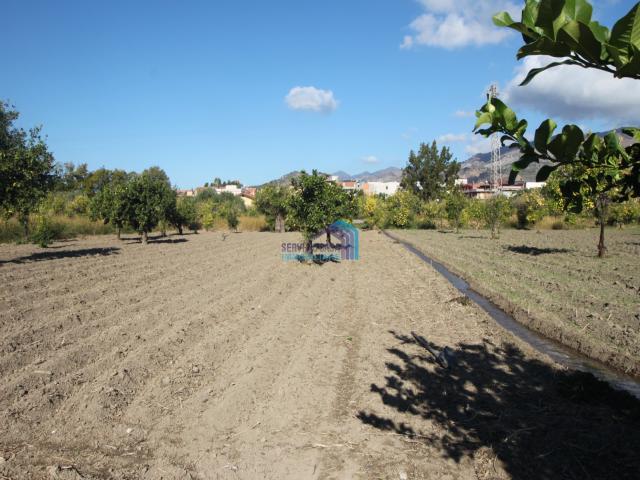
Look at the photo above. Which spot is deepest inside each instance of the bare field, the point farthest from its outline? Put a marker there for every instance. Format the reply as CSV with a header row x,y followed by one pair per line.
x,y
554,282
203,358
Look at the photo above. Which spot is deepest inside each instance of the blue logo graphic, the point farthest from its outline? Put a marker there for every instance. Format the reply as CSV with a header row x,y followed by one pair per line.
x,y
344,245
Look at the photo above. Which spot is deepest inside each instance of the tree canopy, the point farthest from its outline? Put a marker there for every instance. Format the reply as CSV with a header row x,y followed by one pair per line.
x,y
26,167
430,172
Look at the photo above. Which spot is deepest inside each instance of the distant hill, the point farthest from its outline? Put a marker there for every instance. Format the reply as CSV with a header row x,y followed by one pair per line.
x,y
391,174
478,167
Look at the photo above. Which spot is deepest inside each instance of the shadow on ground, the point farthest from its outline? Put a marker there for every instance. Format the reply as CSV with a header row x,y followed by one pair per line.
x,y
539,422
527,250
59,254
133,240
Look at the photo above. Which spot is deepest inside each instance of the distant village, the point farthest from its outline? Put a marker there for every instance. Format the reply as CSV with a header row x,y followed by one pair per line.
x,y
482,190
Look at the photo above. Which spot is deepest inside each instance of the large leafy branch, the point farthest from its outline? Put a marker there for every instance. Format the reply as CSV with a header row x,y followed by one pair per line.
x,y
564,28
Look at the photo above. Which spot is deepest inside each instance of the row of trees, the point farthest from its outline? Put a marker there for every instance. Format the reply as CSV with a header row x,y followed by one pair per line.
x,y
32,183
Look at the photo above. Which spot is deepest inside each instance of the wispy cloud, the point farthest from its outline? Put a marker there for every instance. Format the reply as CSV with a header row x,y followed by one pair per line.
x,y
453,24
311,99
463,114
574,93
370,159
453,138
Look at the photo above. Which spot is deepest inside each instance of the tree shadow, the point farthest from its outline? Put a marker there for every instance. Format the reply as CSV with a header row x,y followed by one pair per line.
x,y
540,422
60,254
134,240
535,251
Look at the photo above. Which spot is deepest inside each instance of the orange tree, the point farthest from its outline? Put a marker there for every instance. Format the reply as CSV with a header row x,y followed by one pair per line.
x,y
598,168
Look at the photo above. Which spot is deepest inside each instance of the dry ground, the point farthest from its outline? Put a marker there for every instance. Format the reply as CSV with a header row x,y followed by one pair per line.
x,y
203,358
554,282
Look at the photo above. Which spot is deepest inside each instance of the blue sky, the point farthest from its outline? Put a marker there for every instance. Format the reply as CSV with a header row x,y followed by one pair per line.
x,y
199,88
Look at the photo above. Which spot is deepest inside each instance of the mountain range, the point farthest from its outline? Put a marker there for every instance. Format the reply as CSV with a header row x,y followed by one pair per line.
x,y
475,169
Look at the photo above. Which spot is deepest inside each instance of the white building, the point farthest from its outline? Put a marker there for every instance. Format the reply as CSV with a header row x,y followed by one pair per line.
x,y
234,189
380,188
528,185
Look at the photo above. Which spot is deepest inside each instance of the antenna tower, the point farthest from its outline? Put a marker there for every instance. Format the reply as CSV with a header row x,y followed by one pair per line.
x,y
496,163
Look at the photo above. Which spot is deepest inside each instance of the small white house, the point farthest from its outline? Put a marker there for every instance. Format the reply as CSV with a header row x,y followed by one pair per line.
x,y
234,189
529,185
381,188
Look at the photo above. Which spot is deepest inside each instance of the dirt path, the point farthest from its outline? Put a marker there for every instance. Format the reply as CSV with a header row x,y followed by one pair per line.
x,y
202,358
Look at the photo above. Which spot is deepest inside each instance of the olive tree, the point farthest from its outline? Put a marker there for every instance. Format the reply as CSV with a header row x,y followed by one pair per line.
x,y
596,167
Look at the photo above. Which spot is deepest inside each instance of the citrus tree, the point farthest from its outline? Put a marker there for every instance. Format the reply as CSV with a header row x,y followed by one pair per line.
x,y
271,201
600,168
455,203
26,168
315,203
147,200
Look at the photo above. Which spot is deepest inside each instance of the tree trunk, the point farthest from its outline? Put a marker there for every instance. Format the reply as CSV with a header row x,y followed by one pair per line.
x,y
24,219
118,230
180,229
279,223
328,236
145,237
309,247
601,205
601,248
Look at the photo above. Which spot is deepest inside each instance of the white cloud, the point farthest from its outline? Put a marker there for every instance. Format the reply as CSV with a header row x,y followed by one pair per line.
x,y
370,159
453,138
478,144
574,93
311,99
452,24
463,114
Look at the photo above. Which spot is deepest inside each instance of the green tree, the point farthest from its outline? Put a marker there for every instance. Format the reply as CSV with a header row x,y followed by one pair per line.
x,y
430,172
26,168
185,214
455,203
231,215
401,209
109,203
148,200
529,206
271,201
601,167
339,204
497,211
307,205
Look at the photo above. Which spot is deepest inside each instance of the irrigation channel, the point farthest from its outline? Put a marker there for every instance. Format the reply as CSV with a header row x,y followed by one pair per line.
x,y
559,353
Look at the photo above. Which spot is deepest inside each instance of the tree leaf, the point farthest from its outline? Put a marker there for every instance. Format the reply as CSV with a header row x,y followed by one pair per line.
x,y
535,71
543,135
632,132
548,12
544,172
503,19
581,39
626,32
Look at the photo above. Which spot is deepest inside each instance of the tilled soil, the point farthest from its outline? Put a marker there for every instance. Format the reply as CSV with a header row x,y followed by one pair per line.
x,y
208,357
553,282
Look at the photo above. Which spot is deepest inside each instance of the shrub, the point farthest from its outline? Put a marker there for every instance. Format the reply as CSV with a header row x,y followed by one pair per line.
x,y
529,206
455,203
497,211
232,219
474,214
46,231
